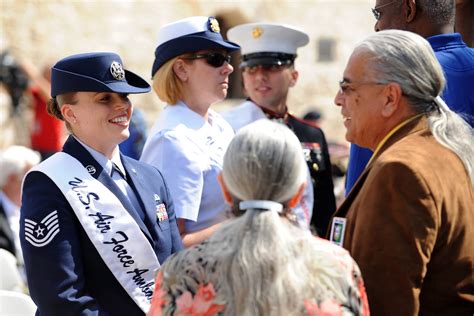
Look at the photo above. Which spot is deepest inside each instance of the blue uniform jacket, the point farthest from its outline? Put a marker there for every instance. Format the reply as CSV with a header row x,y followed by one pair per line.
x,y
67,276
457,61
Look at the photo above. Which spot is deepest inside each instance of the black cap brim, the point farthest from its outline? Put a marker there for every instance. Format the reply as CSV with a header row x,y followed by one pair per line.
x,y
190,44
267,59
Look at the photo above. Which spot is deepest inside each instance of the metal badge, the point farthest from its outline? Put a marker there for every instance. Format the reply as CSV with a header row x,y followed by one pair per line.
x,y
117,71
257,32
214,25
90,169
157,198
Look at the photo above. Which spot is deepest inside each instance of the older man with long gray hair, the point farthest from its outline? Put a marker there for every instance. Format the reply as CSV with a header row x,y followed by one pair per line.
x,y
408,221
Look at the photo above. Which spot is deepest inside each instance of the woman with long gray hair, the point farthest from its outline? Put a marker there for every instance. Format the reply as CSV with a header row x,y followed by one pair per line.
x,y
261,263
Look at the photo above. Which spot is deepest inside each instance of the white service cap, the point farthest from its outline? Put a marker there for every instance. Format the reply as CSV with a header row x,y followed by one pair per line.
x,y
267,43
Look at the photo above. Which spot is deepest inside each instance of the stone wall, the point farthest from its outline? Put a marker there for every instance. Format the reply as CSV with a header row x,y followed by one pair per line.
x,y
47,30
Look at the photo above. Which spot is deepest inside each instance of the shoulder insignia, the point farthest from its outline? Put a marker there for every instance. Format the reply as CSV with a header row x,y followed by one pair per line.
x,y
40,234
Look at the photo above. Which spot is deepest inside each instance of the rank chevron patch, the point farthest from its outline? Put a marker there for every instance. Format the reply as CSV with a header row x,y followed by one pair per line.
x,y
40,234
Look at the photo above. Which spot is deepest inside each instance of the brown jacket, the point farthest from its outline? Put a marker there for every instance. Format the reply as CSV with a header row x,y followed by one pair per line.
x,y
410,227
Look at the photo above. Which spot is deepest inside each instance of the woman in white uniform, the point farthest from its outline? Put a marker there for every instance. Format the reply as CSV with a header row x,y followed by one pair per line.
x,y
188,141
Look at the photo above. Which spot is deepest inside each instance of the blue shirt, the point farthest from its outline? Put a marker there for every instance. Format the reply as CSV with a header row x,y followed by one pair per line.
x,y
189,151
457,61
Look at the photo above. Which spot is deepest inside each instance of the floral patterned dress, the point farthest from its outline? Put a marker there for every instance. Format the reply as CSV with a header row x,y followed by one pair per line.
x,y
195,282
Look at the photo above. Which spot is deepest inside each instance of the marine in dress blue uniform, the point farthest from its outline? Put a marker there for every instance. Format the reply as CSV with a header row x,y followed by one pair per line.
x,y
275,45
66,273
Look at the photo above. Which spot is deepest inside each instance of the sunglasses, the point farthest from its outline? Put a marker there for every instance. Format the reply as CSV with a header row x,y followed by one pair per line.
x,y
215,60
376,12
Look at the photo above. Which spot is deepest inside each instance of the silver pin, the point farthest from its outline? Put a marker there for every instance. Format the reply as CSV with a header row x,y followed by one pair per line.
x,y
91,169
117,71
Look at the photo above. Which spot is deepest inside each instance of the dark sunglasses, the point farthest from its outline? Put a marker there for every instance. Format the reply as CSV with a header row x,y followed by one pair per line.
x,y
212,59
376,10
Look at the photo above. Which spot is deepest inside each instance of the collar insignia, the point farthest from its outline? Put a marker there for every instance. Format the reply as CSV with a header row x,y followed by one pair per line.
x,y
90,169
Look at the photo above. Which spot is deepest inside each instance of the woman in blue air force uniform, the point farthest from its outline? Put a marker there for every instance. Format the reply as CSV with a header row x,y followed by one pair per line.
x,y
95,224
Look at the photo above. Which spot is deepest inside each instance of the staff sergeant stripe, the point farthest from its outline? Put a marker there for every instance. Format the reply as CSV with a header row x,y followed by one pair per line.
x,y
51,224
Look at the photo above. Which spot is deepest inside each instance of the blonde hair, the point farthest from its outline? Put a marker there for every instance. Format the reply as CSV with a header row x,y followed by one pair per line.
x,y
166,83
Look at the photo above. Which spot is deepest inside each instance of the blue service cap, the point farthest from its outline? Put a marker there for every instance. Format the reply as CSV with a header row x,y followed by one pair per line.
x,y
94,72
188,36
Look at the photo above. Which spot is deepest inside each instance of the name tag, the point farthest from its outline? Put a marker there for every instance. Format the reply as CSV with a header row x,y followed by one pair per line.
x,y
338,228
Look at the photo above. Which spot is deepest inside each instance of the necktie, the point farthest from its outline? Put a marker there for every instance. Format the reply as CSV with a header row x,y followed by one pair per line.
x,y
116,169
121,180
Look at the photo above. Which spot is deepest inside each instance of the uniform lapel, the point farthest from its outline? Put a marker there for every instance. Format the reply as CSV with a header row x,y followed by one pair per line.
x,y
142,190
75,149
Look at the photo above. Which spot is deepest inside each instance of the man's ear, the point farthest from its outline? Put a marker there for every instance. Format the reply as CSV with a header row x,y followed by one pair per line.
x,y
179,68
393,97
297,197
410,10
225,191
68,114
294,77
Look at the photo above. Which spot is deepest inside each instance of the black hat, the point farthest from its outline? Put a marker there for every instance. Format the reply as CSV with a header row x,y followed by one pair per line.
x,y
94,72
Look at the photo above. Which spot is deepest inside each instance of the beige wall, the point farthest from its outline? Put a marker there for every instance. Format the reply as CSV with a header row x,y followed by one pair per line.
x,y
47,30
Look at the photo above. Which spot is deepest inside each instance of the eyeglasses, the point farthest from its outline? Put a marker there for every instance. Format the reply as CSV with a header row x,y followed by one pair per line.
x,y
212,59
270,68
377,12
345,87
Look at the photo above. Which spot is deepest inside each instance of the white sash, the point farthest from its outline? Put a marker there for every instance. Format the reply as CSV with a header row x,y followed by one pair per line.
x,y
114,233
